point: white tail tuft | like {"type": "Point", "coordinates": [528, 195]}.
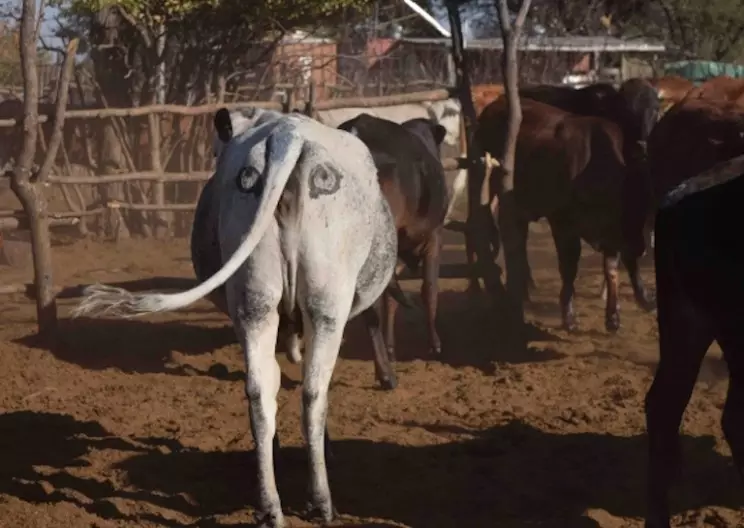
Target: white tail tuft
{"type": "Point", "coordinates": [101, 300]}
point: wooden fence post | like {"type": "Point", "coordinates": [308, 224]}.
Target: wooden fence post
{"type": "Point", "coordinates": [311, 97]}
{"type": "Point", "coordinates": [161, 218]}
{"type": "Point", "coordinates": [289, 101]}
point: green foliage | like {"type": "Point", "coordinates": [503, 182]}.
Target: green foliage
{"type": "Point", "coordinates": [707, 30]}
{"type": "Point", "coordinates": [284, 12]}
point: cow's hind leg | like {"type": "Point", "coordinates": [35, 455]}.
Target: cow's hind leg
{"type": "Point", "coordinates": [383, 367]}
{"type": "Point", "coordinates": [391, 307]}
{"type": "Point", "coordinates": [568, 247]}
{"type": "Point", "coordinates": [430, 287]}
{"type": "Point", "coordinates": [257, 331]}
{"type": "Point", "coordinates": [523, 227]}
{"type": "Point", "coordinates": [645, 299]}
{"type": "Point", "coordinates": [732, 344]}
{"type": "Point", "coordinates": [473, 277]}
{"type": "Point", "coordinates": [325, 318]}
{"type": "Point", "coordinates": [612, 313]}
{"type": "Point", "coordinates": [683, 341]}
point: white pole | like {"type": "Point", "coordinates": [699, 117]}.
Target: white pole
{"type": "Point", "coordinates": [426, 16]}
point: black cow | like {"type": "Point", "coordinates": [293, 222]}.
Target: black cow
{"type": "Point", "coordinates": [412, 179]}
{"type": "Point", "coordinates": [695, 186]}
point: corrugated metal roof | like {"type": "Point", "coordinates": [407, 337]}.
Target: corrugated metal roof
{"type": "Point", "coordinates": [577, 44]}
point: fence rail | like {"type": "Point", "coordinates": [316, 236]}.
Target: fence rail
{"type": "Point", "coordinates": [15, 219]}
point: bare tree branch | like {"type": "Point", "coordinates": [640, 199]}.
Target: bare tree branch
{"type": "Point", "coordinates": [63, 90]}
{"type": "Point", "coordinates": [39, 19]}
{"type": "Point", "coordinates": [30, 90]}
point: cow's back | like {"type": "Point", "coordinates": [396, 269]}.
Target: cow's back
{"type": "Point", "coordinates": [591, 100]}
{"type": "Point", "coordinates": [417, 175]}
{"type": "Point", "coordinates": [554, 148]}
{"type": "Point", "coordinates": [722, 88]}
{"type": "Point", "coordinates": [693, 136]}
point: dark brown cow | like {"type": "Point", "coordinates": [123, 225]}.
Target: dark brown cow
{"type": "Point", "coordinates": [412, 180]}
{"type": "Point", "coordinates": [696, 179]}
{"type": "Point", "coordinates": [634, 107]}
{"type": "Point", "coordinates": [569, 169]}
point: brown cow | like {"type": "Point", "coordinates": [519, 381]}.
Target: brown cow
{"type": "Point", "coordinates": [483, 94]}
{"type": "Point", "coordinates": [570, 170]}
{"type": "Point", "coordinates": [721, 88]}
{"type": "Point", "coordinates": [696, 177]}
{"type": "Point", "coordinates": [672, 89]}
{"type": "Point", "coordinates": [412, 179]}
{"type": "Point", "coordinates": [634, 107]}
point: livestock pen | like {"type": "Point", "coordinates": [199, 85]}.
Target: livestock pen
{"type": "Point", "coordinates": [142, 422]}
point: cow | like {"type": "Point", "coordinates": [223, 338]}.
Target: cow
{"type": "Point", "coordinates": [634, 107]}
{"type": "Point", "coordinates": [672, 89]}
{"type": "Point", "coordinates": [568, 169]}
{"type": "Point", "coordinates": [694, 188]}
{"type": "Point", "coordinates": [412, 179]}
{"type": "Point", "coordinates": [446, 113]}
{"type": "Point", "coordinates": [721, 88]}
{"type": "Point", "coordinates": [281, 184]}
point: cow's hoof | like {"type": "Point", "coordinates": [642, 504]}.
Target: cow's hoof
{"type": "Point", "coordinates": [571, 326]}
{"type": "Point", "coordinates": [612, 324]}
{"type": "Point", "coordinates": [324, 512]}
{"type": "Point", "coordinates": [436, 350]}
{"type": "Point", "coordinates": [270, 520]}
{"type": "Point", "coordinates": [388, 383]}
{"type": "Point", "coordinates": [648, 303]}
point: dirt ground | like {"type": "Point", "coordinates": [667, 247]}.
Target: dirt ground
{"type": "Point", "coordinates": [144, 422]}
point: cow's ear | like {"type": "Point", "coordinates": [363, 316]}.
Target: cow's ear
{"type": "Point", "coordinates": [439, 133]}
{"type": "Point", "coordinates": [223, 125]}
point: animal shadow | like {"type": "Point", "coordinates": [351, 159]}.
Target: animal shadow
{"type": "Point", "coordinates": [132, 345]}
{"type": "Point", "coordinates": [471, 335]}
{"type": "Point", "coordinates": [508, 475]}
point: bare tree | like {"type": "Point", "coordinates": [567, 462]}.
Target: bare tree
{"type": "Point", "coordinates": [28, 181]}
{"type": "Point", "coordinates": [480, 221]}
{"type": "Point", "coordinates": [510, 236]}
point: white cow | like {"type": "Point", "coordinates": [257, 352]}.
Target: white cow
{"type": "Point", "coordinates": [302, 224]}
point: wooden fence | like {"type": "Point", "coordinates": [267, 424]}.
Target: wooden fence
{"type": "Point", "coordinates": [158, 177]}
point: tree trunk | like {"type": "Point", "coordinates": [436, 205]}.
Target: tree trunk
{"type": "Point", "coordinates": [479, 222]}
{"type": "Point", "coordinates": [27, 182]}
{"type": "Point", "coordinates": [510, 217]}
{"type": "Point", "coordinates": [34, 205]}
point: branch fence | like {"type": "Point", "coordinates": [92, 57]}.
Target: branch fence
{"type": "Point", "coordinates": [152, 204]}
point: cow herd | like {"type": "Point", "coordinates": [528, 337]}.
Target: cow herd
{"type": "Point", "coordinates": [303, 226]}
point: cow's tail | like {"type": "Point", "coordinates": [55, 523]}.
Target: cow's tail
{"type": "Point", "coordinates": [100, 299]}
